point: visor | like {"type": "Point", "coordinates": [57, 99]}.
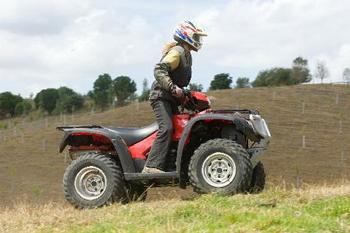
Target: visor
{"type": "Point", "coordinates": [198, 40]}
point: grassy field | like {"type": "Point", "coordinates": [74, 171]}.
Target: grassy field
{"type": "Point", "coordinates": [311, 209]}
{"type": "Point", "coordinates": [31, 168]}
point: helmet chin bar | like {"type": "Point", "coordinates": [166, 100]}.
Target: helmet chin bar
{"type": "Point", "coordinates": [187, 46]}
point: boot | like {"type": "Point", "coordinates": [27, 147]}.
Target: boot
{"type": "Point", "coordinates": [151, 170]}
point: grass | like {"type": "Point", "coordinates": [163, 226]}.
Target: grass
{"type": "Point", "coordinates": [311, 209]}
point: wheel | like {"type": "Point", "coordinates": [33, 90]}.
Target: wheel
{"type": "Point", "coordinates": [257, 184]}
{"type": "Point", "coordinates": [137, 192]}
{"type": "Point", "coordinates": [94, 180]}
{"type": "Point", "coordinates": [220, 166]}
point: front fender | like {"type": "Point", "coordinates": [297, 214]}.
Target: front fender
{"type": "Point", "coordinates": [240, 123]}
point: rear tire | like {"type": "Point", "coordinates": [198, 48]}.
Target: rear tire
{"type": "Point", "coordinates": [258, 179]}
{"type": "Point", "coordinates": [220, 166]}
{"type": "Point", "coordinates": [94, 180]}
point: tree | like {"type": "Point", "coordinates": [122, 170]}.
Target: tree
{"type": "Point", "coordinates": [69, 100]}
{"type": "Point", "coordinates": [346, 75]}
{"type": "Point", "coordinates": [8, 102]}
{"type": "Point", "coordinates": [273, 77]}
{"type": "Point", "coordinates": [102, 91]}
{"type": "Point", "coordinates": [278, 76]}
{"type": "Point", "coordinates": [321, 71]}
{"type": "Point", "coordinates": [195, 87]}
{"type": "Point", "coordinates": [23, 108]}
{"type": "Point", "coordinates": [221, 81]}
{"type": "Point", "coordinates": [300, 71]}
{"type": "Point", "coordinates": [47, 99]}
{"type": "Point", "coordinates": [124, 88]}
{"type": "Point", "coordinates": [145, 91]}
{"type": "Point", "coordinates": [242, 82]}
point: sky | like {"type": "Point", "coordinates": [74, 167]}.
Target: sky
{"type": "Point", "coordinates": [46, 43]}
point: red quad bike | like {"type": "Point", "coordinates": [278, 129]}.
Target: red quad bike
{"type": "Point", "coordinates": [215, 151]}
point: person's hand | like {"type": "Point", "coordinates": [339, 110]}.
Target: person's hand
{"type": "Point", "coordinates": [178, 92]}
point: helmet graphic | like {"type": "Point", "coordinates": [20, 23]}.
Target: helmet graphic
{"type": "Point", "coordinates": [187, 32]}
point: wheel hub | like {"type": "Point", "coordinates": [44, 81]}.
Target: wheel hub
{"type": "Point", "coordinates": [90, 183]}
{"type": "Point", "coordinates": [219, 169]}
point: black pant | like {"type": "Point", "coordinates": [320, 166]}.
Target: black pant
{"type": "Point", "coordinates": [164, 111]}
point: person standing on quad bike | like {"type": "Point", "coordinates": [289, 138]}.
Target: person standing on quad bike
{"type": "Point", "coordinates": [172, 73]}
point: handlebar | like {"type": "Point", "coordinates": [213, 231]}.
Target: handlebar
{"type": "Point", "coordinates": [188, 101]}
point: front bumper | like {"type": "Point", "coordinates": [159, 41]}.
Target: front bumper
{"type": "Point", "coordinates": [261, 128]}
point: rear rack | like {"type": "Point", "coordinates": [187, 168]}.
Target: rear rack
{"type": "Point", "coordinates": [78, 127]}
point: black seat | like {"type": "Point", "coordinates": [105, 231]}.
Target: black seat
{"type": "Point", "coordinates": [133, 135]}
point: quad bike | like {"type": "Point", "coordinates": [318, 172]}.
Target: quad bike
{"type": "Point", "coordinates": [215, 151]}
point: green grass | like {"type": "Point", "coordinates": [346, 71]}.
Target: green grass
{"type": "Point", "coordinates": [272, 211]}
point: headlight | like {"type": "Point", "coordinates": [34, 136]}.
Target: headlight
{"type": "Point", "coordinates": [260, 126]}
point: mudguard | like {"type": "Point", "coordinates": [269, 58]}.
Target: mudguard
{"type": "Point", "coordinates": [117, 142]}
{"type": "Point", "coordinates": [240, 123]}
{"type": "Point", "coordinates": [86, 131]}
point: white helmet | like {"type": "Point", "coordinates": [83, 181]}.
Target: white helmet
{"type": "Point", "coordinates": [190, 34]}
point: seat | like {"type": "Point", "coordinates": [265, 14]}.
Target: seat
{"type": "Point", "coordinates": [133, 135]}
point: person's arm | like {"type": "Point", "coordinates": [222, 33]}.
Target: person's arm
{"type": "Point", "coordinates": [161, 71]}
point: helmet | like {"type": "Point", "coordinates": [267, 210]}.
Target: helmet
{"type": "Point", "coordinates": [190, 34]}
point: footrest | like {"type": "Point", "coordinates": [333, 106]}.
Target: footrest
{"type": "Point", "coordinates": [150, 176]}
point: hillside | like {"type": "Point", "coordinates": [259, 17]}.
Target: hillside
{"type": "Point", "coordinates": [314, 209]}
{"type": "Point", "coordinates": [31, 168]}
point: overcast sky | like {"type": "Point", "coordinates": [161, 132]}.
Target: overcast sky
{"type": "Point", "coordinates": [45, 43]}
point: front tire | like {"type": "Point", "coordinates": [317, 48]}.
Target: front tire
{"type": "Point", "coordinates": [257, 184]}
{"type": "Point", "coordinates": [220, 166]}
{"type": "Point", "coordinates": [94, 180]}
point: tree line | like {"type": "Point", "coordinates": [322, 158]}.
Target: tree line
{"type": "Point", "coordinates": [107, 92]}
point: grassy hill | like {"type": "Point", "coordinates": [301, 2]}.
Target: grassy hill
{"type": "Point", "coordinates": [313, 209]}
{"type": "Point", "coordinates": [31, 168]}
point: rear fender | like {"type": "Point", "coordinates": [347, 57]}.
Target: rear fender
{"type": "Point", "coordinates": [241, 125]}
{"type": "Point", "coordinates": [99, 137]}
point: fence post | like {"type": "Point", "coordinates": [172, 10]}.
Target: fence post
{"type": "Point", "coordinates": [297, 179]}
{"type": "Point", "coordinates": [342, 165]}
{"type": "Point", "coordinates": [303, 142]}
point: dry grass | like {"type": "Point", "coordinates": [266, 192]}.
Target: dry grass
{"type": "Point", "coordinates": [31, 166]}
{"type": "Point", "coordinates": [53, 217]}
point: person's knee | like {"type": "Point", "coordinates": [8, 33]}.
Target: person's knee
{"type": "Point", "coordinates": [166, 129]}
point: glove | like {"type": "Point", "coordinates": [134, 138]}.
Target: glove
{"type": "Point", "coordinates": [177, 92]}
